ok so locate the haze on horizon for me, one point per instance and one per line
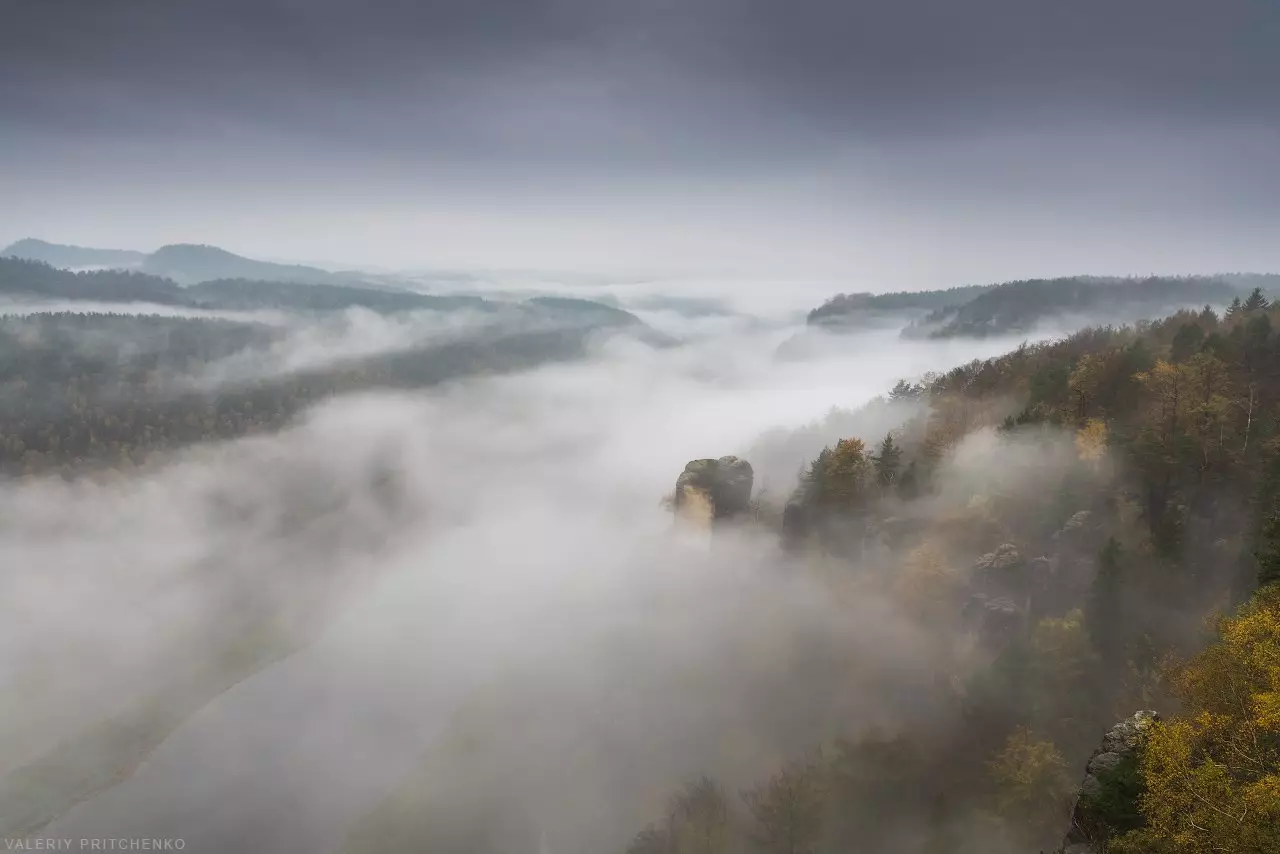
(904, 144)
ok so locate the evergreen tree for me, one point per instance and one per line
(887, 462)
(1255, 302)
(1104, 605)
(1234, 310)
(1268, 539)
(904, 390)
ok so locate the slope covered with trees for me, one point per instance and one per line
(860, 310)
(1070, 514)
(1025, 306)
(1018, 307)
(61, 255)
(85, 390)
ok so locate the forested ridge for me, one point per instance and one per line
(1095, 522)
(35, 279)
(85, 391)
(1019, 307)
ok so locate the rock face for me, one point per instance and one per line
(1118, 745)
(714, 490)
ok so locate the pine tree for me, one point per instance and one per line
(905, 391)
(887, 462)
(1255, 302)
(1268, 551)
(1104, 605)
(1233, 310)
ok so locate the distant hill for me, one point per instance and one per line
(250, 294)
(35, 279)
(60, 255)
(862, 310)
(1016, 307)
(188, 263)
(587, 310)
(19, 277)
(185, 263)
(978, 311)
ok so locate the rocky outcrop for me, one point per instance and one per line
(1005, 557)
(1104, 782)
(714, 491)
(996, 619)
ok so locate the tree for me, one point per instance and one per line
(698, 819)
(1268, 549)
(1234, 310)
(1255, 303)
(1103, 615)
(1091, 441)
(887, 462)
(1061, 665)
(1212, 776)
(1187, 342)
(1084, 382)
(845, 471)
(787, 810)
(904, 390)
(1033, 786)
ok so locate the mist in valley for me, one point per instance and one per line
(396, 565)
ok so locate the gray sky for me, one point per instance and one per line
(895, 143)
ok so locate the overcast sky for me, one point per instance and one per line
(890, 143)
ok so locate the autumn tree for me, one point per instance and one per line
(1062, 663)
(845, 472)
(1212, 776)
(787, 810)
(698, 819)
(1033, 787)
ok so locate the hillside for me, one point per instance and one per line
(1020, 307)
(1066, 518)
(33, 280)
(1060, 522)
(1028, 306)
(184, 263)
(60, 255)
(188, 263)
(861, 310)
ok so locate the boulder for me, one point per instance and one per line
(720, 489)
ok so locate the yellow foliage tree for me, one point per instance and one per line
(1091, 441)
(926, 584)
(1033, 786)
(846, 474)
(1212, 776)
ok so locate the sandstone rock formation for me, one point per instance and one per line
(713, 491)
(1119, 746)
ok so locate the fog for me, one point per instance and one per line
(495, 548)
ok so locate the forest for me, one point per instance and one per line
(1021, 307)
(92, 391)
(1139, 571)
(859, 309)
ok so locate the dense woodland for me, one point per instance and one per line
(859, 309)
(1011, 308)
(81, 391)
(34, 279)
(1017, 307)
(1087, 527)
(1113, 544)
